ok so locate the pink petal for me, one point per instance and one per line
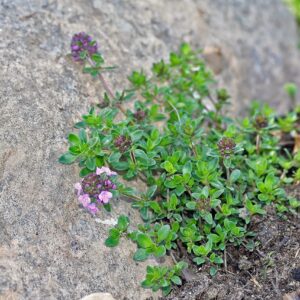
(78, 187)
(99, 171)
(92, 208)
(84, 200)
(105, 170)
(105, 196)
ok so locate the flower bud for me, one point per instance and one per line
(260, 122)
(123, 143)
(226, 146)
(82, 45)
(139, 115)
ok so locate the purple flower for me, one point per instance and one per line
(95, 189)
(105, 196)
(122, 143)
(82, 45)
(84, 200)
(105, 170)
(92, 208)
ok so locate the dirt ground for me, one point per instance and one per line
(270, 272)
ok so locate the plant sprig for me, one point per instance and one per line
(206, 173)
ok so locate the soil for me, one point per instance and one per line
(270, 272)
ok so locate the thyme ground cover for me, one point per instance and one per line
(206, 174)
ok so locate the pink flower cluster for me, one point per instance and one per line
(96, 189)
(82, 43)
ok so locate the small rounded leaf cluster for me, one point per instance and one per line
(261, 122)
(226, 146)
(222, 95)
(122, 143)
(96, 188)
(82, 46)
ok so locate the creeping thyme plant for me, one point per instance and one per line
(206, 174)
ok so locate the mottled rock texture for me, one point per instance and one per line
(49, 247)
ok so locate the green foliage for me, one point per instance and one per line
(207, 174)
(116, 232)
(160, 277)
(294, 5)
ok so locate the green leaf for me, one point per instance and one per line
(151, 191)
(82, 136)
(123, 223)
(67, 158)
(114, 157)
(263, 197)
(213, 271)
(229, 225)
(207, 216)
(146, 283)
(144, 241)
(176, 279)
(107, 207)
(199, 260)
(168, 166)
(163, 233)
(80, 125)
(74, 139)
(122, 166)
(270, 181)
(218, 260)
(160, 251)
(155, 207)
(191, 205)
(137, 78)
(235, 175)
(84, 172)
(173, 202)
(114, 232)
(204, 193)
(166, 290)
(177, 217)
(200, 250)
(214, 237)
(154, 134)
(136, 135)
(90, 163)
(112, 241)
(196, 195)
(187, 169)
(217, 194)
(97, 58)
(227, 162)
(181, 265)
(142, 157)
(140, 255)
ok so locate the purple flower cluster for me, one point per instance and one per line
(82, 45)
(123, 143)
(226, 146)
(96, 189)
(139, 115)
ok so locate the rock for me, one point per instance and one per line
(50, 248)
(296, 274)
(244, 264)
(292, 296)
(99, 296)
